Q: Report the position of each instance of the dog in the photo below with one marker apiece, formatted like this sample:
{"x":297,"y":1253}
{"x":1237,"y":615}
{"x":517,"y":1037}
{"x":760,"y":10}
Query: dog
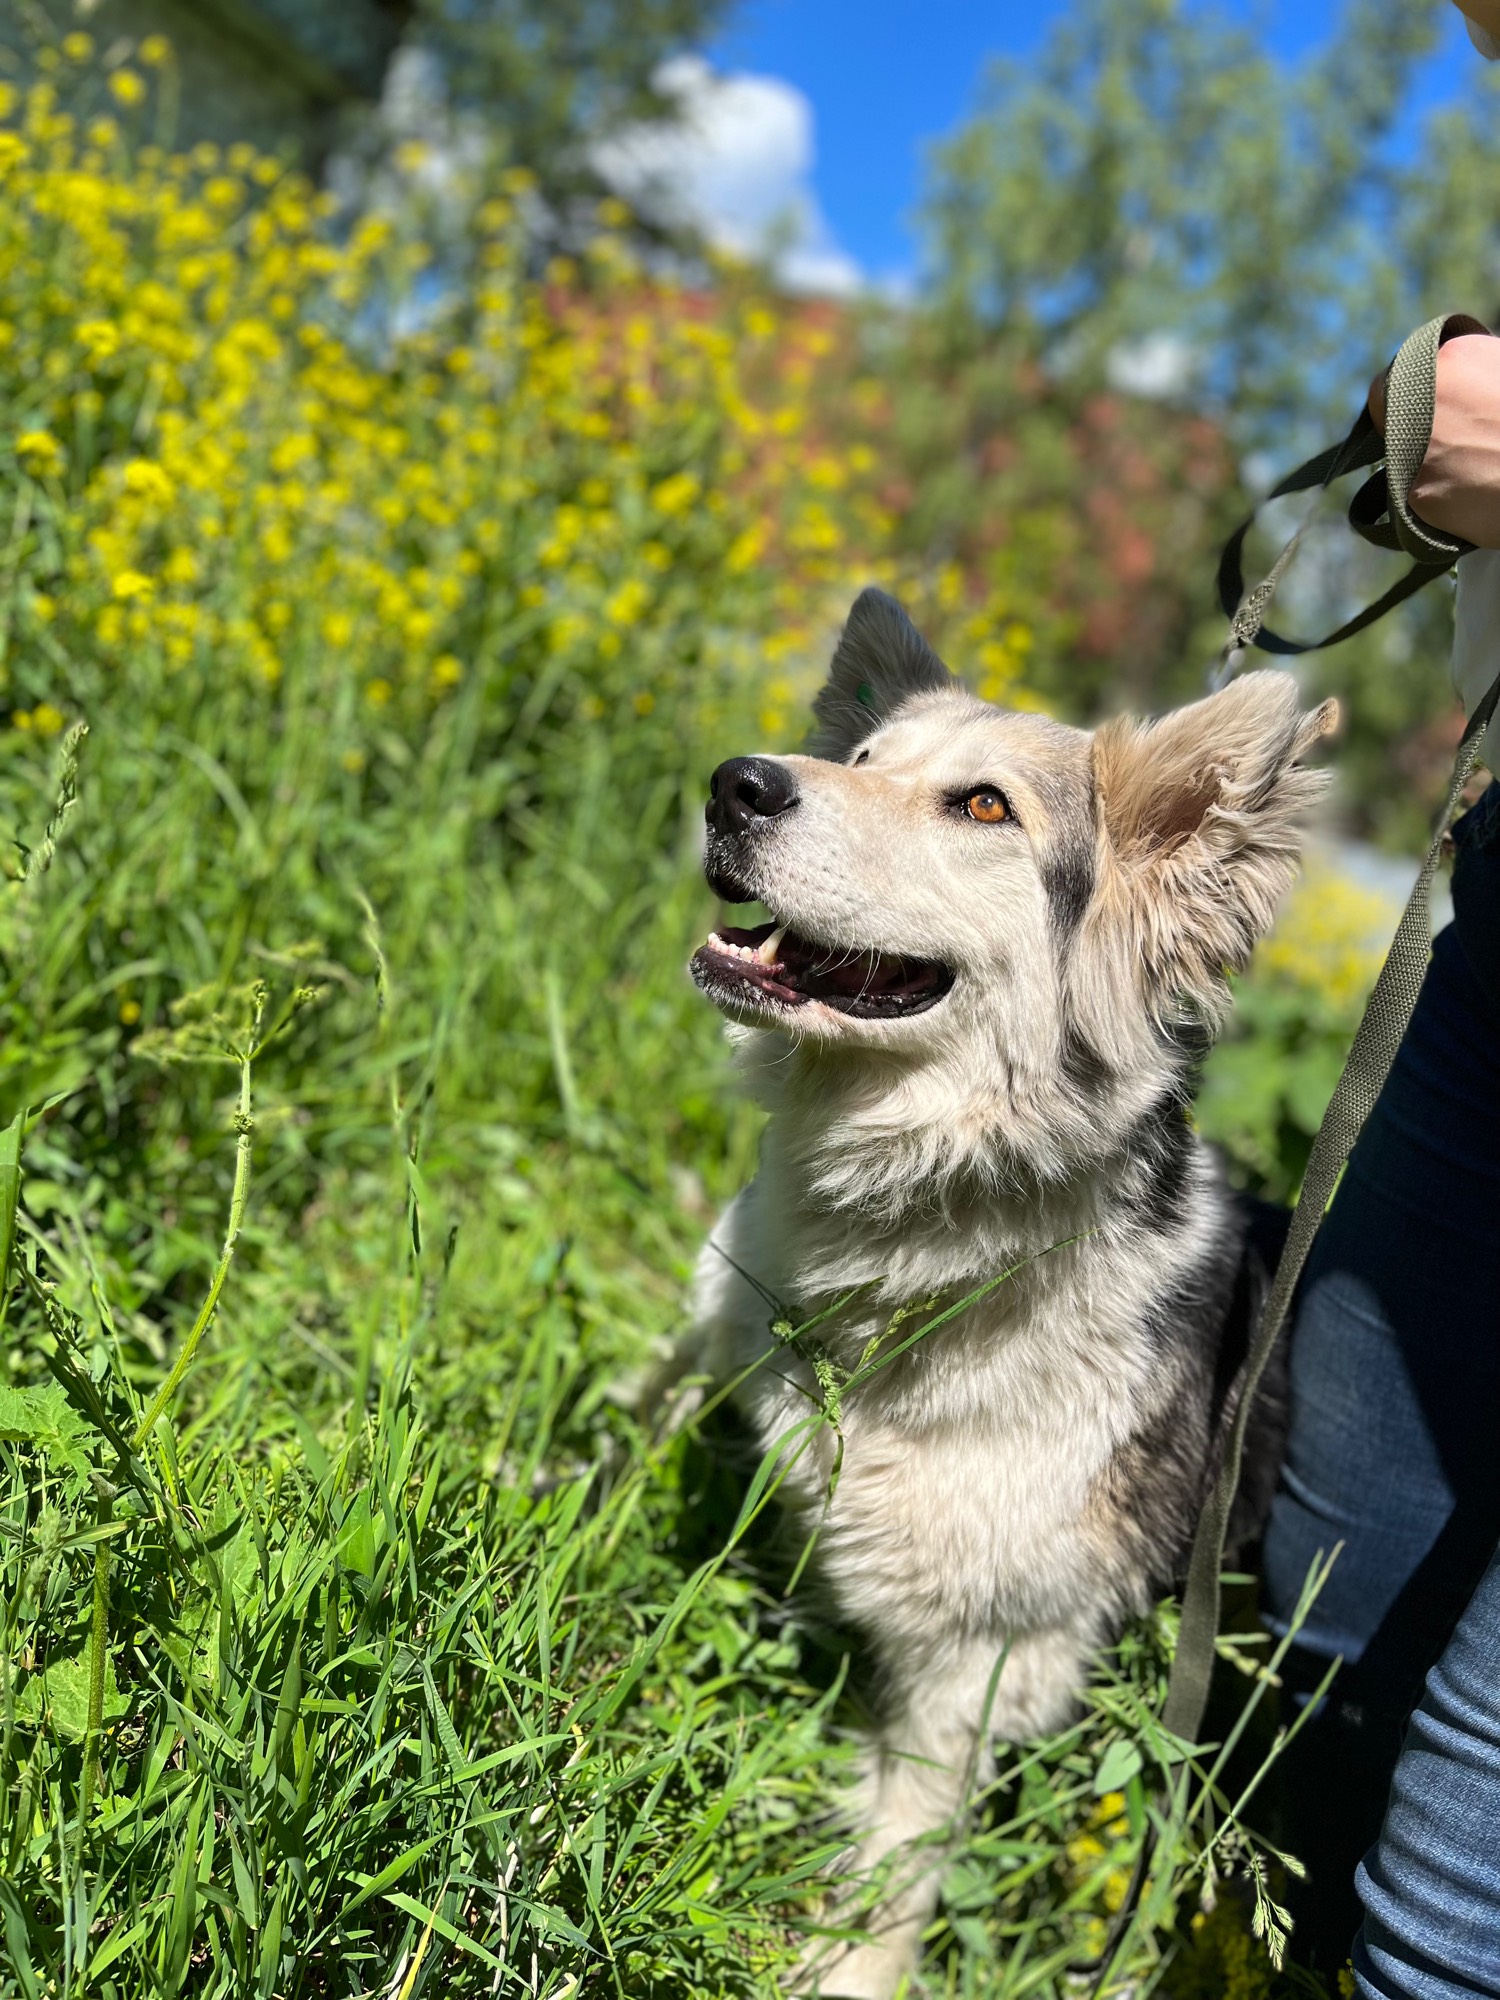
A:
{"x":997,"y":956}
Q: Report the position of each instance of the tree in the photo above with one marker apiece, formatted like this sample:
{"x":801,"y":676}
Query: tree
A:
{"x":553,"y":78}
{"x":1158,"y":224}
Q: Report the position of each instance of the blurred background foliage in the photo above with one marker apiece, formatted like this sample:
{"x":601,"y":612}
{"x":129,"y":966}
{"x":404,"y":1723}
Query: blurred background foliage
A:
{"x":413,"y":525}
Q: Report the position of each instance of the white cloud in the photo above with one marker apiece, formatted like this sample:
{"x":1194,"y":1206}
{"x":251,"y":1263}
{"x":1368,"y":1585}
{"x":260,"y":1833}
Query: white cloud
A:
{"x":1160,"y":366}
{"x":737,"y":164}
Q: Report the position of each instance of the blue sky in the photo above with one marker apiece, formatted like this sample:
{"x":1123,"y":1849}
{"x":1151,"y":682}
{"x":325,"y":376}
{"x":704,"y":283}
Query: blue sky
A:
{"x":883,"y":76}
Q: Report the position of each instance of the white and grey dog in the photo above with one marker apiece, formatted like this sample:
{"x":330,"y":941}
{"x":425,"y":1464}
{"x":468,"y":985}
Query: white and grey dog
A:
{"x":998,"y":951}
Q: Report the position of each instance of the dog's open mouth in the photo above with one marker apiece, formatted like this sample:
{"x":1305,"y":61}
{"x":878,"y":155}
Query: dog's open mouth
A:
{"x":772,"y":969}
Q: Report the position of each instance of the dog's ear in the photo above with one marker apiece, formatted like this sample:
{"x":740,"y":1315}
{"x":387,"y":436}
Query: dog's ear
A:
{"x":880,"y":659}
{"x":1203,"y":814}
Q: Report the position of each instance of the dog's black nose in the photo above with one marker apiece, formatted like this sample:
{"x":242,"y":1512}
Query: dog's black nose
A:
{"x":747,"y":789}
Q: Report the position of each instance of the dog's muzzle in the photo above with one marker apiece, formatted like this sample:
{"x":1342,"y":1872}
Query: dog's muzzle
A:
{"x":744,"y":796}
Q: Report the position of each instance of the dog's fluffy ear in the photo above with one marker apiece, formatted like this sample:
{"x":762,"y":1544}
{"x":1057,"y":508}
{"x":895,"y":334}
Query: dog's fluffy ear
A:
{"x":880,"y":659}
{"x":1203,"y":814}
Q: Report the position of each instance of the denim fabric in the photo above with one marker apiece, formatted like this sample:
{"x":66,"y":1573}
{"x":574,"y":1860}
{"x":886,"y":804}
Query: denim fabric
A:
{"x":1395,"y":1452}
{"x":1431,"y":1887}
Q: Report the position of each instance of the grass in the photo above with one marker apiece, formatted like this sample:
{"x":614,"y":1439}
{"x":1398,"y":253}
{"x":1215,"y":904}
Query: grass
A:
{"x":358,"y":1128}
{"x":357,"y":1638}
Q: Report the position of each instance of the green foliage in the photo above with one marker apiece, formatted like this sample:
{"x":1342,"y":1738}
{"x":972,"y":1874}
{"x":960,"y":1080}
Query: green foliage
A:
{"x":1156,"y":173}
{"x":1269,"y":1079}
{"x":553,"y":77}
{"x":1156,"y":199}
{"x":354,"y":1634}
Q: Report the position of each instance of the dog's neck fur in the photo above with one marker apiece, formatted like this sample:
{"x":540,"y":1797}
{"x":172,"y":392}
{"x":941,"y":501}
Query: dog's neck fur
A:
{"x":866,"y":1193}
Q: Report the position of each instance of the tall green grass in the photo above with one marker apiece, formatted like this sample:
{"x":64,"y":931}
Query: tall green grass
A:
{"x":358,"y":1638}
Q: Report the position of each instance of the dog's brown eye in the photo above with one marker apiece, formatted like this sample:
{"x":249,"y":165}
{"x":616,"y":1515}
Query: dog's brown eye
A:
{"x":987,"y":805}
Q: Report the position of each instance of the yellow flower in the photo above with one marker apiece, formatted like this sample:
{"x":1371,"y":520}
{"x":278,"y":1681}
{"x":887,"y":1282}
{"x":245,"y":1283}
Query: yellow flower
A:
{"x":447,"y":670}
{"x":147,"y":480}
{"x":223,"y":192}
{"x":47,"y":720}
{"x":127,"y":87}
{"x":676,"y":494}
{"x":130,"y":585}
{"x":40,"y":454}
{"x":746,"y":548}
{"x":625,"y":605}
{"x":1330,"y":939}
{"x":78,"y":47}
{"x":130,"y":1012}
{"x":156,"y":50}
{"x":378,"y":693}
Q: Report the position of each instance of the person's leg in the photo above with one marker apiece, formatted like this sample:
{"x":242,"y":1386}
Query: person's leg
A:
{"x":1395,"y":1366}
{"x":1431,"y":1886}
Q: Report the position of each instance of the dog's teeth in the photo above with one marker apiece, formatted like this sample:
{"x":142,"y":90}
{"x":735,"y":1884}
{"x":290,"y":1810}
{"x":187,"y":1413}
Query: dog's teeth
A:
{"x":767,"y":949}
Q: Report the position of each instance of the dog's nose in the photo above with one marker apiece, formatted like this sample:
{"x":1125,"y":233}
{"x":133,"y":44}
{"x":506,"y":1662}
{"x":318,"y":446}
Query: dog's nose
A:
{"x":747,"y":789}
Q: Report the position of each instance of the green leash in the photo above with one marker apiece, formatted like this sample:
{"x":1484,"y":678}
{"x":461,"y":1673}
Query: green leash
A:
{"x":1380,"y":513}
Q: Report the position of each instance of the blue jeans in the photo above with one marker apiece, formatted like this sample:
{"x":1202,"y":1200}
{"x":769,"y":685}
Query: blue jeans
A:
{"x":1395,"y":1453}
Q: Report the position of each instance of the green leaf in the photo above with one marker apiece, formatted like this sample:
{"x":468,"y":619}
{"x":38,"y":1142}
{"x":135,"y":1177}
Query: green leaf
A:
{"x":58,"y":1698}
{"x":1310,"y":1083}
{"x":1120,"y":1763}
{"x":46,"y":1419}
{"x":10,"y":1190}
{"x":356,"y":1543}
{"x":375,"y":1885}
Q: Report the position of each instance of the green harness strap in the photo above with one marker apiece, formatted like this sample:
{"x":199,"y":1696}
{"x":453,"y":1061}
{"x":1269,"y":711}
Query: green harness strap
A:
{"x":1381,"y":514}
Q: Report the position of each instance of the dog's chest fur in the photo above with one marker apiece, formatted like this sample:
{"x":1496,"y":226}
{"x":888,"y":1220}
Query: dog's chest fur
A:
{"x":1034,"y":1462}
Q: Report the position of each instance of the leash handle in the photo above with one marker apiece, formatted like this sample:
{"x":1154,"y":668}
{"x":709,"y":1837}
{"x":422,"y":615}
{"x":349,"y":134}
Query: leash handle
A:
{"x":1378,"y":513}
{"x":1411,"y":388}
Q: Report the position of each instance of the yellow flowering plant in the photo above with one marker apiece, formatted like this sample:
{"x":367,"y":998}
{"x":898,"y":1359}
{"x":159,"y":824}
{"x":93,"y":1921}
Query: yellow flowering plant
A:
{"x":246,"y":444}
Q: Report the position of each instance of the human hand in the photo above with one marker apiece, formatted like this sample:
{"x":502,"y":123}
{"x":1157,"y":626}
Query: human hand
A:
{"x":1457,"y":490}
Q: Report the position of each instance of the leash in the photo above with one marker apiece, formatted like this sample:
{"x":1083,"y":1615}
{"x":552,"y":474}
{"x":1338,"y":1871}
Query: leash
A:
{"x":1379,"y":513}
